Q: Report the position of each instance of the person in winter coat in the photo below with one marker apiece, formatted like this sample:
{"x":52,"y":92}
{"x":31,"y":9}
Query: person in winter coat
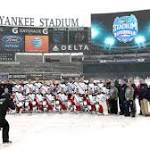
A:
{"x":5,"y":104}
{"x":121,"y":93}
{"x":113,"y":105}
{"x":129,"y":101}
{"x":143,"y":98}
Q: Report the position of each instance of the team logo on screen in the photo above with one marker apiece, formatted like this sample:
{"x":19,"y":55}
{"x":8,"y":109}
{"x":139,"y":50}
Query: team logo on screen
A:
{"x":125,"y":28}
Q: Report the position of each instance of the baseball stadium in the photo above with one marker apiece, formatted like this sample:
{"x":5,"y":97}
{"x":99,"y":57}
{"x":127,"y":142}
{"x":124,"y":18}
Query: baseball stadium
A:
{"x":60,"y":78}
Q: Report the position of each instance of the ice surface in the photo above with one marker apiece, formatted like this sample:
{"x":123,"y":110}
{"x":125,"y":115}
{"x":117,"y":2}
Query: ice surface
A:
{"x":77,"y":131}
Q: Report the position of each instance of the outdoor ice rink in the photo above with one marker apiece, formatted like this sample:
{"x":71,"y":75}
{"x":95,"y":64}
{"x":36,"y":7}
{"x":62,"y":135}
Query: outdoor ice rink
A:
{"x":66,"y":131}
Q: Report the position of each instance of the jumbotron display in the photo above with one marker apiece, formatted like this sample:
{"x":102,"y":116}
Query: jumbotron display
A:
{"x":125,"y":32}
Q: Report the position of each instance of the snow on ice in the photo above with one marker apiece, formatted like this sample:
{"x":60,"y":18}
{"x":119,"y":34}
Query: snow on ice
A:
{"x":76,"y":131}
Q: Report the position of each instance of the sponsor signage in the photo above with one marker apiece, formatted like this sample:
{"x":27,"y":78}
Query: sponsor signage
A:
{"x":36,"y":44}
{"x":70,"y":48}
{"x":30,"y":31}
{"x":12,"y":43}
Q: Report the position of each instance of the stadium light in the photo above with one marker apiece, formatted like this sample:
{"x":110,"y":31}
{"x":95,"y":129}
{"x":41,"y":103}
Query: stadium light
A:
{"x":109,"y":42}
{"x":139,"y":40}
{"x":95,"y":31}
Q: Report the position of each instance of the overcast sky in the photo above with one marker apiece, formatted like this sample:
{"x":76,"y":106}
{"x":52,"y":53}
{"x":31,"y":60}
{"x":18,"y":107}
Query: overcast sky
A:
{"x":67,"y":8}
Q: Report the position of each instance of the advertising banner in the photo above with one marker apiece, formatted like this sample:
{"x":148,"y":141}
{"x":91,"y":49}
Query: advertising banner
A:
{"x":11,"y":43}
{"x":35,"y":43}
{"x":69,"y":40}
{"x":70,"y":48}
{"x":28,"y":31}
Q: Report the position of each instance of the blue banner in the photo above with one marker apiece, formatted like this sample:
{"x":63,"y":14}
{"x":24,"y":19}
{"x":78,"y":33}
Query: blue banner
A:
{"x":12,"y":43}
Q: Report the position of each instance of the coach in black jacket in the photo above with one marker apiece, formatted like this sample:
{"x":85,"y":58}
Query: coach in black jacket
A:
{"x":5,"y":104}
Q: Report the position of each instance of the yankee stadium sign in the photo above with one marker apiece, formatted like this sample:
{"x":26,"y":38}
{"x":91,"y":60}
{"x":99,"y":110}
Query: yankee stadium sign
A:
{"x":125,"y":28}
{"x":41,"y":22}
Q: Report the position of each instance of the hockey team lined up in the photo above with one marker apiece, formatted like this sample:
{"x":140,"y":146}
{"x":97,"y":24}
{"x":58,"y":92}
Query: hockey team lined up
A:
{"x":79,"y":95}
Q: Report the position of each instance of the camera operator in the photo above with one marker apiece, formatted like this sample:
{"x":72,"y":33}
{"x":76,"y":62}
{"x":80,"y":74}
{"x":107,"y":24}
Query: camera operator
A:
{"x":5,"y":104}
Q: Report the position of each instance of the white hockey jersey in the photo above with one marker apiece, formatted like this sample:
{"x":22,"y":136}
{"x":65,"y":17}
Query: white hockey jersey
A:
{"x":101,"y":97}
{"x":37,"y":87}
{"x":29,"y":88}
{"x":80,"y":87}
{"x":39,"y":97}
{"x":19,"y":97}
{"x":78,"y":98}
{"x":49,"y":97}
{"x":62,"y":97}
{"x":44,"y":89}
{"x":31,"y":97}
{"x":92,"y":99}
{"x":18,"y":88}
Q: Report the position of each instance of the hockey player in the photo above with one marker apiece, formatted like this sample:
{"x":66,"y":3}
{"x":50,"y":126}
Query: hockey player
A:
{"x":56,"y":90}
{"x":44,"y":88}
{"x":70,"y":87}
{"x":56,"y":87}
{"x":43,"y":91}
{"x":101,"y":98}
{"x":63,"y":100}
{"x":19,"y":99}
{"x":57,"y":107}
{"x":28,"y":87}
{"x":87,"y":106}
{"x":17,"y":88}
{"x":50,"y":100}
{"x":30,"y":102}
{"x":17,"y":95}
{"x":78,"y":102}
{"x":91,"y":86}
{"x":93,"y":102}
{"x":71,"y":103}
{"x":39,"y":101}
{"x":63,"y":86}
{"x":80,"y":86}
{"x":37,"y":85}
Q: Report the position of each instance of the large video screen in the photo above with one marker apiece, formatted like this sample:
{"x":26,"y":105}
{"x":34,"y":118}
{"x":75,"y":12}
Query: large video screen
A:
{"x":125,"y":32}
